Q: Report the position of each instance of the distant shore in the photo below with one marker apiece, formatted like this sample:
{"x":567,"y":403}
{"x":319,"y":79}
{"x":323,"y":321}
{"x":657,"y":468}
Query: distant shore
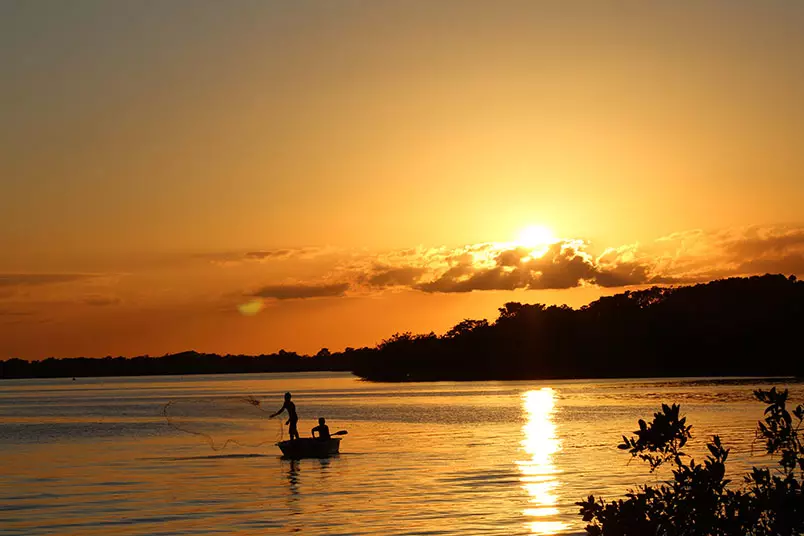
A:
{"x":737,"y":327}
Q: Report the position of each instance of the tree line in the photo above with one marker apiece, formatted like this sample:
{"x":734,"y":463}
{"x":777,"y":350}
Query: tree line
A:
{"x":728,"y":327}
{"x":183,"y":363}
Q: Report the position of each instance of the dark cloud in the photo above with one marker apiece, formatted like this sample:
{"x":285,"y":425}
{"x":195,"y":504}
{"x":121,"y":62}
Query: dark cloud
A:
{"x":229,"y":258}
{"x":701,"y":256}
{"x":705,"y":256}
{"x":219,"y":257}
{"x":18,"y":280}
{"x":511,"y":257}
{"x":738,"y":252}
{"x":300,"y":291}
{"x":623,"y":275}
{"x":270,"y":254}
{"x":766,"y":250}
{"x":563,"y":266}
{"x":485,"y":279}
{"x":785,"y":264}
{"x":759,"y":242}
{"x":386,"y":276}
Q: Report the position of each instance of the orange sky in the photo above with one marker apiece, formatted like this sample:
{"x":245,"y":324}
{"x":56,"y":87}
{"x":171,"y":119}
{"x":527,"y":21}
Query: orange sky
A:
{"x":352,"y":169}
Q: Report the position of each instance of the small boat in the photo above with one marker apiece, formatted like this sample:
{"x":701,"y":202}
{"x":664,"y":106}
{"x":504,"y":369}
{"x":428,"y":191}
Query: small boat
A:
{"x":307,"y":447}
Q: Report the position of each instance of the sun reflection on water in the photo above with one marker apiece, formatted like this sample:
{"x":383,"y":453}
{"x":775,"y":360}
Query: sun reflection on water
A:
{"x":539,"y":473}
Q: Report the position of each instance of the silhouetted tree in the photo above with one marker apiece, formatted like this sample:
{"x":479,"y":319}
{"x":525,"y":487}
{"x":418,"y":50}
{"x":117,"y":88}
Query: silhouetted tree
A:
{"x":714,"y":329}
{"x":465,"y":327}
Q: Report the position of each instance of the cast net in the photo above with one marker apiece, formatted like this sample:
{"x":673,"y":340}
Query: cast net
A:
{"x":225,"y":421}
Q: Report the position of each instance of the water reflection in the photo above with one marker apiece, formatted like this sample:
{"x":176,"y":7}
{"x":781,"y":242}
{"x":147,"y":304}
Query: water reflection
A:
{"x":293,"y":477}
{"x":539,"y":474}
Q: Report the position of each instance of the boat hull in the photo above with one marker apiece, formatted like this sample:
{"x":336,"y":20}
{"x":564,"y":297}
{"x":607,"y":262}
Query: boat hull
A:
{"x":310,"y":448}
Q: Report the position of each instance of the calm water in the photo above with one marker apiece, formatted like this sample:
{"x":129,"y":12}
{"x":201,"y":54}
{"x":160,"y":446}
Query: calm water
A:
{"x":96,"y":456}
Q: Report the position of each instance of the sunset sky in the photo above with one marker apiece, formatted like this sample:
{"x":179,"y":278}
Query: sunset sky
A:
{"x":246,"y":176}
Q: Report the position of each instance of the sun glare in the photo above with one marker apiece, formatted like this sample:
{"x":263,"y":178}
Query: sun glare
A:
{"x":250,"y":308}
{"x":537,"y":239}
{"x":535,"y":236}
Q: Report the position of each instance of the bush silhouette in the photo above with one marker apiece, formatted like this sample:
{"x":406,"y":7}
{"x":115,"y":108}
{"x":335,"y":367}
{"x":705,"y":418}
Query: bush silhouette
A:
{"x":697,"y":501}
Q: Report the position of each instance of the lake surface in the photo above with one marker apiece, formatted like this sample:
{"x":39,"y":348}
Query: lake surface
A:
{"x":97,"y":456}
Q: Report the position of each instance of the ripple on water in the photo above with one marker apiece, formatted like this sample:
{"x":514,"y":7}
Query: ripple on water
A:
{"x":448,"y":458}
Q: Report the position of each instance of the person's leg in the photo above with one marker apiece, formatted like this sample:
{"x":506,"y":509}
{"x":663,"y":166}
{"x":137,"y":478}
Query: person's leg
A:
{"x":294,"y":433}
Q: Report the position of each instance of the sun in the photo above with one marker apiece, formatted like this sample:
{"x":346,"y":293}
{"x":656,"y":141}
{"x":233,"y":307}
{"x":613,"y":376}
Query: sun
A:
{"x":534,"y":236}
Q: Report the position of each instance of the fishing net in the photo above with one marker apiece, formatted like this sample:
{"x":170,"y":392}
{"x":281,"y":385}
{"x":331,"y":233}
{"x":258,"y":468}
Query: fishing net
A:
{"x":225,"y":421}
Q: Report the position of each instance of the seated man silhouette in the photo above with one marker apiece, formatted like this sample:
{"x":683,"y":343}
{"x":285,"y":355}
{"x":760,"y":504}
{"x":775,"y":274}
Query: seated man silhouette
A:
{"x":322,"y":429}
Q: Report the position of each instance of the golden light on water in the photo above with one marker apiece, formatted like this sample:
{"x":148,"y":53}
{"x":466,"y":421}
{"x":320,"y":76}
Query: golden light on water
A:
{"x":539,"y":473}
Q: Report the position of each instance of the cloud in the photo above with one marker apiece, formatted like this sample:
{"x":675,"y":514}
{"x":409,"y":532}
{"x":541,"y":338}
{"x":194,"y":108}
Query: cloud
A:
{"x":564,"y":265}
{"x":300,"y":291}
{"x":624,"y":266}
{"x":703,"y":256}
{"x":18,"y":280}
{"x":764,"y":242}
{"x":786,"y":264}
{"x":232,"y":258}
{"x":269,"y":254}
{"x":386,"y":276}
{"x":511,"y":257}
{"x":681,"y":258}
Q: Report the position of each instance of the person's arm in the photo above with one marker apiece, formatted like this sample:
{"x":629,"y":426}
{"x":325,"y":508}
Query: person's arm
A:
{"x":280,"y":411}
{"x":314,"y":431}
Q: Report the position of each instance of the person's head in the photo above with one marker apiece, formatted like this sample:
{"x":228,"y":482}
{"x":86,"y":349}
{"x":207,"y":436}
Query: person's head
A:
{"x":321,"y":421}
{"x":287,"y":396}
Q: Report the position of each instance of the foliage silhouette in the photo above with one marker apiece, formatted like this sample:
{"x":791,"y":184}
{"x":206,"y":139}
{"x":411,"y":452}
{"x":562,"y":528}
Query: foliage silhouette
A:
{"x":182,"y":363}
{"x":713,"y":329}
{"x":697,"y":500}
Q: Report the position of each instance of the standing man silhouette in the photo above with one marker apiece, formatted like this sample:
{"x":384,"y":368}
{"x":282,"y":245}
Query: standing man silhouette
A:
{"x":292,"y":417}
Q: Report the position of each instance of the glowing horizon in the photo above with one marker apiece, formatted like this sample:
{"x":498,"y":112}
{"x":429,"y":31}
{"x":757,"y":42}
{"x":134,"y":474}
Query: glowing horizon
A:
{"x":271,"y":176}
